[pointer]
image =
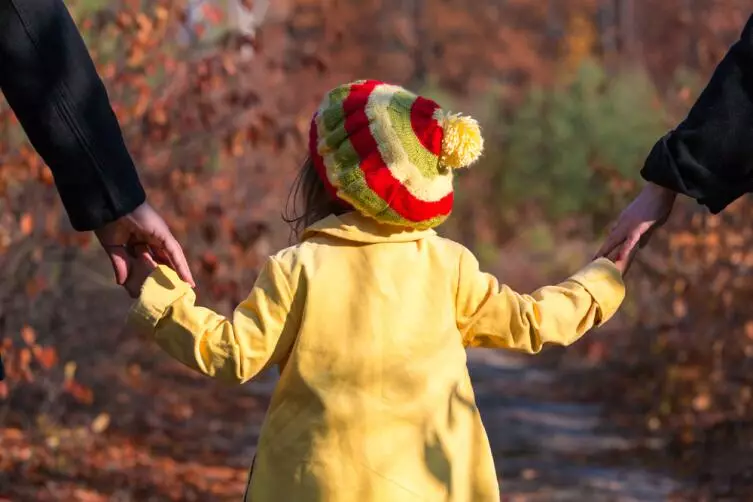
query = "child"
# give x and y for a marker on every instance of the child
(369, 316)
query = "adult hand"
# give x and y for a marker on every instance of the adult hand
(638, 221)
(142, 226)
(622, 262)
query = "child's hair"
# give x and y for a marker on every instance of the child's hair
(309, 201)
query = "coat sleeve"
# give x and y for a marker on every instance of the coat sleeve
(52, 85)
(709, 156)
(492, 315)
(260, 333)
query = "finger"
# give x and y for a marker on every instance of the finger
(121, 263)
(161, 240)
(160, 256)
(150, 259)
(630, 243)
(647, 236)
(629, 261)
(177, 258)
(614, 253)
(132, 287)
(614, 239)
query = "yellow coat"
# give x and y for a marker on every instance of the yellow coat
(369, 330)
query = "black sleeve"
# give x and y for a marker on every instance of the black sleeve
(709, 156)
(52, 85)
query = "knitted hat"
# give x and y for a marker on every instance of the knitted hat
(390, 154)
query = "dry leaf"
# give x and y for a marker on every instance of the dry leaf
(28, 335)
(26, 224)
(69, 371)
(212, 13)
(161, 13)
(702, 402)
(79, 392)
(101, 423)
(24, 358)
(47, 357)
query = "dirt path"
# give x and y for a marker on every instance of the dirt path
(550, 450)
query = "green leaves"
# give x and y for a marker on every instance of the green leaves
(564, 143)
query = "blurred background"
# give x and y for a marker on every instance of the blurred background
(215, 99)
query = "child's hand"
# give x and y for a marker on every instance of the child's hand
(143, 266)
(622, 259)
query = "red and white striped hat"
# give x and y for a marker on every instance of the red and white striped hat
(390, 154)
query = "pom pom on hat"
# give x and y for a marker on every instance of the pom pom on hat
(462, 144)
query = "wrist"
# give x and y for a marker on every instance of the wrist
(660, 192)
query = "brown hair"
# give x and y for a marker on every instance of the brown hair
(309, 201)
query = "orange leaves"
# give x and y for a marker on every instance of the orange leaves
(212, 13)
(236, 143)
(46, 356)
(580, 39)
(228, 64)
(124, 20)
(136, 55)
(145, 27)
(142, 103)
(26, 362)
(100, 423)
(28, 335)
(159, 115)
(161, 13)
(79, 392)
(209, 263)
(702, 402)
(45, 176)
(26, 224)
(24, 359)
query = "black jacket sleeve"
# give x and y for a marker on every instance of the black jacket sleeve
(52, 85)
(709, 156)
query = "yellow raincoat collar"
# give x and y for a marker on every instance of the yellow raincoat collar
(356, 228)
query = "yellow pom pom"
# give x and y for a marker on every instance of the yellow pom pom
(462, 144)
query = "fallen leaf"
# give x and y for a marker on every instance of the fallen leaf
(101, 423)
(69, 371)
(26, 224)
(79, 392)
(24, 358)
(28, 335)
(47, 357)
(529, 474)
(702, 402)
(212, 13)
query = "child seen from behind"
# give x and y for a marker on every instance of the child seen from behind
(369, 315)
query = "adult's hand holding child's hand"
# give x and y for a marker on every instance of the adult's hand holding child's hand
(621, 260)
(141, 268)
(143, 226)
(637, 222)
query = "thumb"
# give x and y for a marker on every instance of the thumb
(120, 261)
(615, 237)
(629, 245)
